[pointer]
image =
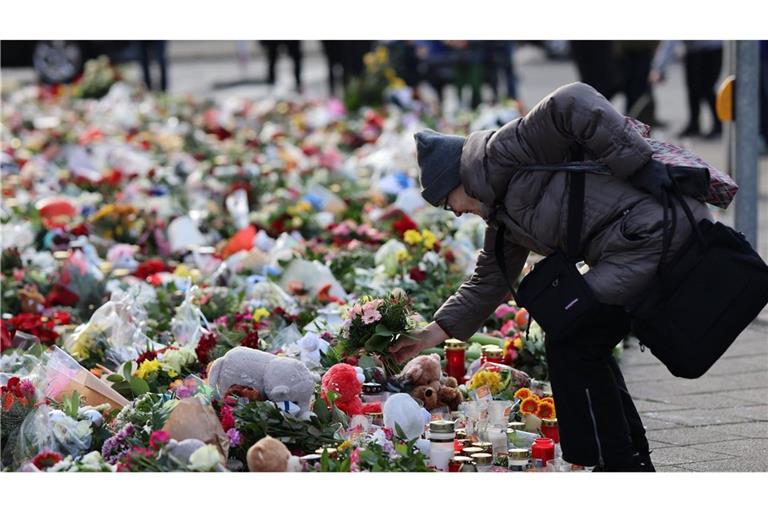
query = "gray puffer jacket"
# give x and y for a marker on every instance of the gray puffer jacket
(621, 238)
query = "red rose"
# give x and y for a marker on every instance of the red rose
(80, 230)
(417, 274)
(46, 459)
(149, 267)
(403, 224)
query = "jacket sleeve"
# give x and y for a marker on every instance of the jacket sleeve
(466, 310)
(573, 114)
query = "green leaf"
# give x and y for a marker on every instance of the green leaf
(139, 386)
(127, 367)
(382, 331)
(399, 432)
(115, 378)
(366, 362)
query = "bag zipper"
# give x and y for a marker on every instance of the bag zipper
(594, 427)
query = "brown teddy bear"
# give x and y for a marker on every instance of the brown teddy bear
(270, 455)
(425, 376)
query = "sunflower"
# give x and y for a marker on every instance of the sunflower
(546, 410)
(529, 405)
(523, 393)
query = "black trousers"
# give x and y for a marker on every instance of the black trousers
(597, 419)
(702, 69)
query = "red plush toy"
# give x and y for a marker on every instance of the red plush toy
(347, 382)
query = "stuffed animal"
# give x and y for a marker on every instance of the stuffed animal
(424, 372)
(271, 455)
(347, 382)
(280, 379)
(402, 410)
(311, 347)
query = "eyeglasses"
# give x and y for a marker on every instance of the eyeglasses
(447, 207)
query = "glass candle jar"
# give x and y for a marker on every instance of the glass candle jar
(483, 461)
(518, 459)
(485, 446)
(469, 451)
(441, 438)
(455, 366)
(491, 354)
(372, 392)
(454, 466)
(549, 429)
(542, 453)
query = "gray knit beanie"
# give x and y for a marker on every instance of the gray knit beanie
(439, 157)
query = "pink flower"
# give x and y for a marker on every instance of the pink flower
(370, 316)
(354, 457)
(158, 439)
(505, 310)
(341, 230)
(508, 328)
(355, 311)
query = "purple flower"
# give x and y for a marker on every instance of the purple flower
(234, 437)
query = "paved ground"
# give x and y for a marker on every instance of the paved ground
(716, 423)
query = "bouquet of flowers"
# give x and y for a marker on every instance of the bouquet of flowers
(373, 325)
(18, 400)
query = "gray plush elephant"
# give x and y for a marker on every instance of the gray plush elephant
(281, 379)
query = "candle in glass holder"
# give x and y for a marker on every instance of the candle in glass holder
(491, 354)
(549, 429)
(454, 359)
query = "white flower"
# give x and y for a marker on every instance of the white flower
(204, 458)
(91, 462)
(177, 359)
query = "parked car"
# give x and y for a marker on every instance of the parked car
(62, 61)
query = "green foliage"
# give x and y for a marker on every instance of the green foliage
(257, 419)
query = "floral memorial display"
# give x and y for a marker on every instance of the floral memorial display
(193, 285)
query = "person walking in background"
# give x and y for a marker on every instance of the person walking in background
(149, 50)
(597, 65)
(703, 62)
(634, 59)
(348, 56)
(293, 48)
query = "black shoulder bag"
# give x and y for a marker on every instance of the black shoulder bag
(554, 292)
(703, 298)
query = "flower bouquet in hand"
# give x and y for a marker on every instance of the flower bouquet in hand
(373, 325)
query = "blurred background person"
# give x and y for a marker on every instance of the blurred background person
(293, 48)
(345, 56)
(703, 62)
(634, 61)
(597, 65)
(149, 51)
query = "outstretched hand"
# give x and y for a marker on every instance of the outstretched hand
(412, 344)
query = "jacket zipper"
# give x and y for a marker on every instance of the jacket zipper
(594, 427)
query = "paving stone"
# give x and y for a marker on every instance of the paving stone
(695, 436)
(698, 417)
(753, 412)
(671, 468)
(725, 399)
(739, 464)
(740, 364)
(758, 396)
(749, 448)
(683, 455)
(661, 405)
(656, 424)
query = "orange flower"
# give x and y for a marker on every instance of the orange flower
(523, 393)
(548, 399)
(529, 405)
(546, 410)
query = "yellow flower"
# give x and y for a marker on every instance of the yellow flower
(182, 271)
(401, 255)
(412, 237)
(171, 372)
(147, 367)
(486, 378)
(343, 446)
(429, 238)
(304, 206)
(523, 393)
(517, 341)
(530, 405)
(259, 314)
(546, 410)
(382, 55)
